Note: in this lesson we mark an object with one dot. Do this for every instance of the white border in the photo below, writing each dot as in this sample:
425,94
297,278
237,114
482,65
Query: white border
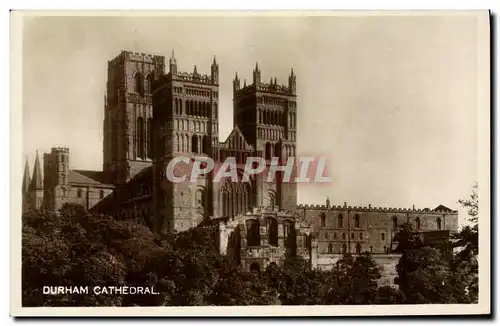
413,310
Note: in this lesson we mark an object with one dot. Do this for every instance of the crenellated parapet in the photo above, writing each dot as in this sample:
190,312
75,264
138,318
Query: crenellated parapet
194,78
258,86
371,208
143,57
60,149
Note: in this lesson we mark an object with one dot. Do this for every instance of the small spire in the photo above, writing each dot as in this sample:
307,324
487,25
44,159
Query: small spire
292,72
195,70
36,180
275,81
236,76
244,83
271,81
215,61
173,54
256,66
26,177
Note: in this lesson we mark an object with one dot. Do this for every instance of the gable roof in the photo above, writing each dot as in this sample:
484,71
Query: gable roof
443,208
88,177
236,140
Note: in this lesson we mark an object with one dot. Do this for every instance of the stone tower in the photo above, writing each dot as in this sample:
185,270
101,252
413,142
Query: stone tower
266,115
185,109
56,180
128,113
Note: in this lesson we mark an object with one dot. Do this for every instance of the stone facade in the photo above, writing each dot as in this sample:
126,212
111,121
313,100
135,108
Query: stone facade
354,229
152,117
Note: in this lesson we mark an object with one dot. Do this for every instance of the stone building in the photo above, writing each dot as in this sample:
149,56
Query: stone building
152,117
61,185
354,229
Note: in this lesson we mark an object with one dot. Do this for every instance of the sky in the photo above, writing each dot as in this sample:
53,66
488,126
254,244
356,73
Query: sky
390,101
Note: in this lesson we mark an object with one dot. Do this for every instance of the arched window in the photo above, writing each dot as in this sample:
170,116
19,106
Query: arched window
438,223
352,235
326,236
344,248
64,192
272,231
371,248
323,220
356,221
255,268
140,138
394,222
330,248
138,83
305,241
340,221
215,110
417,223
200,198
205,144
287,228
253,233
361,236
147,84
150,137
358,248
268,151
194,144
277,150
382,236
272,199
101,194
79,192
344,236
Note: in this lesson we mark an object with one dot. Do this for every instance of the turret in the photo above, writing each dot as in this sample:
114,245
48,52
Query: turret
328,202
236,84
60,164
256,75
173,64
214,72
292,83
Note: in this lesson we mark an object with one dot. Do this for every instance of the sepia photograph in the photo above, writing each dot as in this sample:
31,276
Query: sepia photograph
250,163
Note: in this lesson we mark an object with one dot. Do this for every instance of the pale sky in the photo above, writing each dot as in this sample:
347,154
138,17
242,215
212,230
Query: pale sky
389,101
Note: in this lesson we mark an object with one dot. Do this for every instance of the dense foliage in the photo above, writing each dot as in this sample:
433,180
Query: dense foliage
425,276
76,248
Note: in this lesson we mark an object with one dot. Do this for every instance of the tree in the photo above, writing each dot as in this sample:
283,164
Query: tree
390,295
465,264
75,248
424,276
407,238
358,279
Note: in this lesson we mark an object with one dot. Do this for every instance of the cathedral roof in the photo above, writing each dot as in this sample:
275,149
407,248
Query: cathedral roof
88,177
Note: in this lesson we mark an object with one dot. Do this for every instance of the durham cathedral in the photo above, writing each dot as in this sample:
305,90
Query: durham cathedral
154,112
